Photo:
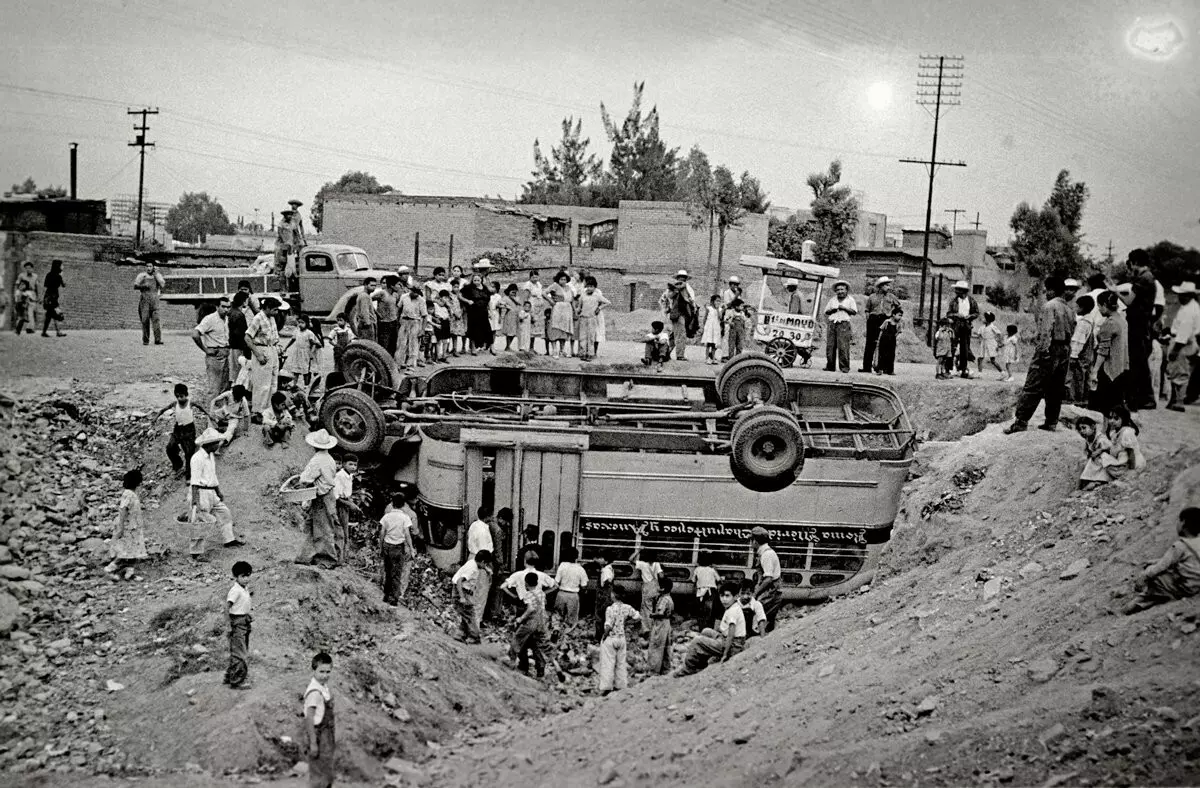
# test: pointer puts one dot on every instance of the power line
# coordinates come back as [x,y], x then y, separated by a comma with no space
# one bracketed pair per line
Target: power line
[140,143]
[954,221]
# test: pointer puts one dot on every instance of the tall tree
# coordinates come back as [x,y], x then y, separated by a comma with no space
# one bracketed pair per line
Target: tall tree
[29,187]
[835,215]
[1047,241]
[197,216]
[694,186]
[785,239]
[355,182]
[1171,263]
[732,201]
[566,177]
[641,166]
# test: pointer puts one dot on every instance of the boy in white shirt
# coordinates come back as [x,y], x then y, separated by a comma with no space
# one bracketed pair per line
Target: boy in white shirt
[604,593]
[728,641]
[571,578]
[343,494]
[514,585]
[321,724]
[756,614]
[395,540]
[467,580]
[707,581]
[238,605]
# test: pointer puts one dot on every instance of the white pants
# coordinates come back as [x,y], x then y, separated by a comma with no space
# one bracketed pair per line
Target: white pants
[614,668]
[263,379]
[211,509]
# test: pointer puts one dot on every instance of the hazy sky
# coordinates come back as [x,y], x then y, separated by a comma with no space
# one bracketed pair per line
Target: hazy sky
[262,101]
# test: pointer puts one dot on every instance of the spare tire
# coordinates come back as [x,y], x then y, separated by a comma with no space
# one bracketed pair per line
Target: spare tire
[752,379]
[354,419]
[736,360]
[369,365]
[767,452]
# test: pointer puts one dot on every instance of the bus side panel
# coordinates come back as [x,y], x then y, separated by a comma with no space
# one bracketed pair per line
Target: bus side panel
[440,483]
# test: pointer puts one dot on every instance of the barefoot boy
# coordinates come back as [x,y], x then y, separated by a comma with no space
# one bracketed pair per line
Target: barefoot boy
[238,603]
[320,724]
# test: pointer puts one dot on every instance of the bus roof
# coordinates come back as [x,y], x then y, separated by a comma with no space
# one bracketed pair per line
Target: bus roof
[783,267]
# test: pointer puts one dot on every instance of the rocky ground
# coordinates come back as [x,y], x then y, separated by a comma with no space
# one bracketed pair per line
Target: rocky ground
[986,652]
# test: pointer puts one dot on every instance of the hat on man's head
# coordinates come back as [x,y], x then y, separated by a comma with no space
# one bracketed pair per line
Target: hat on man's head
[1071,284]
[483,264]
[210,435]
[791,283]
[321,439]
[758,532]
[735,280]
[1184,288]
[842,282]
[883,280]
[682,272]
[296,203]
[962,284]
[286,212]
[404,269]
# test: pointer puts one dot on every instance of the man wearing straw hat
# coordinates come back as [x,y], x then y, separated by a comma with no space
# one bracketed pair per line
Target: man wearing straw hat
[838,311]
[320,516]
[963,312]
[1181,357]
[299,239]
[208,505]
[880,304]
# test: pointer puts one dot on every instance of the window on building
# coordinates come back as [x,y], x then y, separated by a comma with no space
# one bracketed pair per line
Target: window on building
[550,232]
[976,289]
[602,235]
[872,234]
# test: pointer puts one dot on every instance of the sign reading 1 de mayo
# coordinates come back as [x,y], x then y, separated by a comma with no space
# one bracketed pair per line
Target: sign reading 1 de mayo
[599,527]
[796,328]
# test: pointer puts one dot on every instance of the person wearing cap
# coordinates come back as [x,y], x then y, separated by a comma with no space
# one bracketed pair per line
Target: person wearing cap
[1070,289]
[880,304]
[149,283]
[677,303]
[769,574]
[1046,378]
[285,241]
[732,291]
[262,338]
[963,312]
[320,514]
[1140,316]
[838,335]
[795,299]
[208,504]
[211,335]
[1182,356]
[299,238]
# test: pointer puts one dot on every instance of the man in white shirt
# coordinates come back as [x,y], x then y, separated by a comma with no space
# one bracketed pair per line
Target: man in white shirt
[769,590]
[208,505]
[395,537]
[468,580]
[571,578]
[479,534]
[707,581]
[211,335]
[728,640]
[838,335]
[514,585]
[1182,355]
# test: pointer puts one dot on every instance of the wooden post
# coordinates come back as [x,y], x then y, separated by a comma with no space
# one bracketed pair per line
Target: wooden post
[632,296]
[450,264]
[416,252]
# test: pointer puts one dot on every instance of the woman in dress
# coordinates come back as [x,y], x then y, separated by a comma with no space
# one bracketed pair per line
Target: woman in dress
[54,282]
[510,313]
[475,298]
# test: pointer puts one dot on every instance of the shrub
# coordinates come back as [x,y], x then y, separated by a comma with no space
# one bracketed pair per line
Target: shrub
[1003,297]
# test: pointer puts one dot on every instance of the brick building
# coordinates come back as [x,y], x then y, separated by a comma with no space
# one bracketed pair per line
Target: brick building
[631,249]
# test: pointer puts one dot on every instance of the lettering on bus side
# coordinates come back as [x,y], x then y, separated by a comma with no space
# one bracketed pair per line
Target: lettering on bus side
[601,527]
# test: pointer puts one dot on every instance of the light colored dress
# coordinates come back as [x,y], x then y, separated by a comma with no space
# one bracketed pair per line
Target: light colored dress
[562,321]
[494,319]
[590,313]
[129,539]
[300,353]
[524,330]
[712,326]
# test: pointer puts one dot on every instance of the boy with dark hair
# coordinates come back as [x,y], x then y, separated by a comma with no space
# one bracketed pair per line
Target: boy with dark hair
[571,579]
[238,604]
[467,580]
[726,641]
[1177,574]
[320,724]
[658,345]
[395,541]
[658,655]
[231,413]
[277,421]
[531,632]
[752,609]
[182,443]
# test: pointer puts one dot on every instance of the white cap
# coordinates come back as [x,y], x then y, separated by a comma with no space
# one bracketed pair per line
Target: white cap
[962,284]
[791,283]
[883,280]
[734,280]
[482,265]
[682,272]
[1071,284]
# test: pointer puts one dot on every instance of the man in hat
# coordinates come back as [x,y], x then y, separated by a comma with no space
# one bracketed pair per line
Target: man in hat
[838,335]
[880,304]
[298,220]
[207,502]
[769,588]
[1071,289]
[963,312]
[211,335]
[732,291]
[286,242]
[1140,317]
[677,303]
[1047,375]
[795,299]
[1182,355]
[150,284]
[262,338]
[320,514]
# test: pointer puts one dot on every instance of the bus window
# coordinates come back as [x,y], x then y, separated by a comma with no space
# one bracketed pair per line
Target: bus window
[728,553]
[565,540]
[548,550]
[843,558]
[440,525]
[615,550]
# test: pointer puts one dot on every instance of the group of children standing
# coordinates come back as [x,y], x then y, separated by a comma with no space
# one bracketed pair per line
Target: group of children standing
[1000,349]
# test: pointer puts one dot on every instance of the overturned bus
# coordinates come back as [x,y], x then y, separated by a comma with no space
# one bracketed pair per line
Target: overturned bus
[617,460]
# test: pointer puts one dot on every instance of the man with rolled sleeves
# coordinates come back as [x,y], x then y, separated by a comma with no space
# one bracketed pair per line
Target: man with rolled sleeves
[150,284]
[769,574]
[1047,375]
[879,308]
[211,335]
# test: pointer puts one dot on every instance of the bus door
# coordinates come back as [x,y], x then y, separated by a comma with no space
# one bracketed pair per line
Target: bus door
[535,475]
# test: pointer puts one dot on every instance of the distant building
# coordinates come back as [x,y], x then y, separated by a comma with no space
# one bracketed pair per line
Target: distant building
[27,213]
[632,249]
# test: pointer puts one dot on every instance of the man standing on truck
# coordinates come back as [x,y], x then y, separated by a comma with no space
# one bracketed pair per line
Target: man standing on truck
[286,242]
[150,284]
[301,241]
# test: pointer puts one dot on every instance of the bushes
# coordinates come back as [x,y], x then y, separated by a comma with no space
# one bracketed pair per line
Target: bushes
[1003,297]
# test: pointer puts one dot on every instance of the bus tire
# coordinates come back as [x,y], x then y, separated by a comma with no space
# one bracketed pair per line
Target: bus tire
[354,419]
[752,378]
[767,452]
[367,362]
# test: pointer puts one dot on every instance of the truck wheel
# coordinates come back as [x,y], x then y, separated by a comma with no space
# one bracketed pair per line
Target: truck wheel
[751,379]
[767,449]
[354,419]
[782,352]
[369,365]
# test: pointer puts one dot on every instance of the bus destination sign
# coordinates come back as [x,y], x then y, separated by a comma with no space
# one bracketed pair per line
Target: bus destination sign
[600,527]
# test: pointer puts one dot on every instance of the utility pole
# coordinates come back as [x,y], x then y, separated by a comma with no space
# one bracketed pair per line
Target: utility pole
[946,73]
[1108,259]
[954,225]
[140,142]
[976,222]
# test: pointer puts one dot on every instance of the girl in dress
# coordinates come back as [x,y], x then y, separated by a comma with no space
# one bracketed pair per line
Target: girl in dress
[711,338]
[442,307]
[990,339]
[510,311]
[591,303]
[1126,453]
[458,321]
[129,540]
[562,324]
[525,327]
[300,352]
[495,317]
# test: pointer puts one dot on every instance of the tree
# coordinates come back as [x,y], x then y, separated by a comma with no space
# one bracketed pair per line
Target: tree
[694,186]
[567,177]
[29,187]
[785,239]
[1047,241]
[1171,263]
[197,216]
[835,215]
[1003,297]
[641,166]
[732,201]
[355,182]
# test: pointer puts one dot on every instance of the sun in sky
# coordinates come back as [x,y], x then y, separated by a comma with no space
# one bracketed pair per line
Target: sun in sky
[879,95]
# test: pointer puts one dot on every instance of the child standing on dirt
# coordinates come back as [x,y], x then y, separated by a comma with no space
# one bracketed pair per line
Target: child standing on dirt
[182,443]
[395,542]
[343,494]
[341,336]
[22,309]
[300,352]
[990,339]
[613,671]
[531,633]
[1177,574]
[711,336]
[465,581]
[128,540]
[735,326]
[320,726]
[1009,353]
[277,422]
[943,348]
[658,655]
[525,327]
[238,603]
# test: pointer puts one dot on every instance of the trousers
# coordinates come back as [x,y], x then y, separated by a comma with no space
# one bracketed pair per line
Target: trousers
[679,336]
[614,666]
[874,323]
[239,650]
[216,370]
[388,331]
[837,346]
[215,509]
[1046,379]
[396,568]
[408,352]
[148,315]
[707,645]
